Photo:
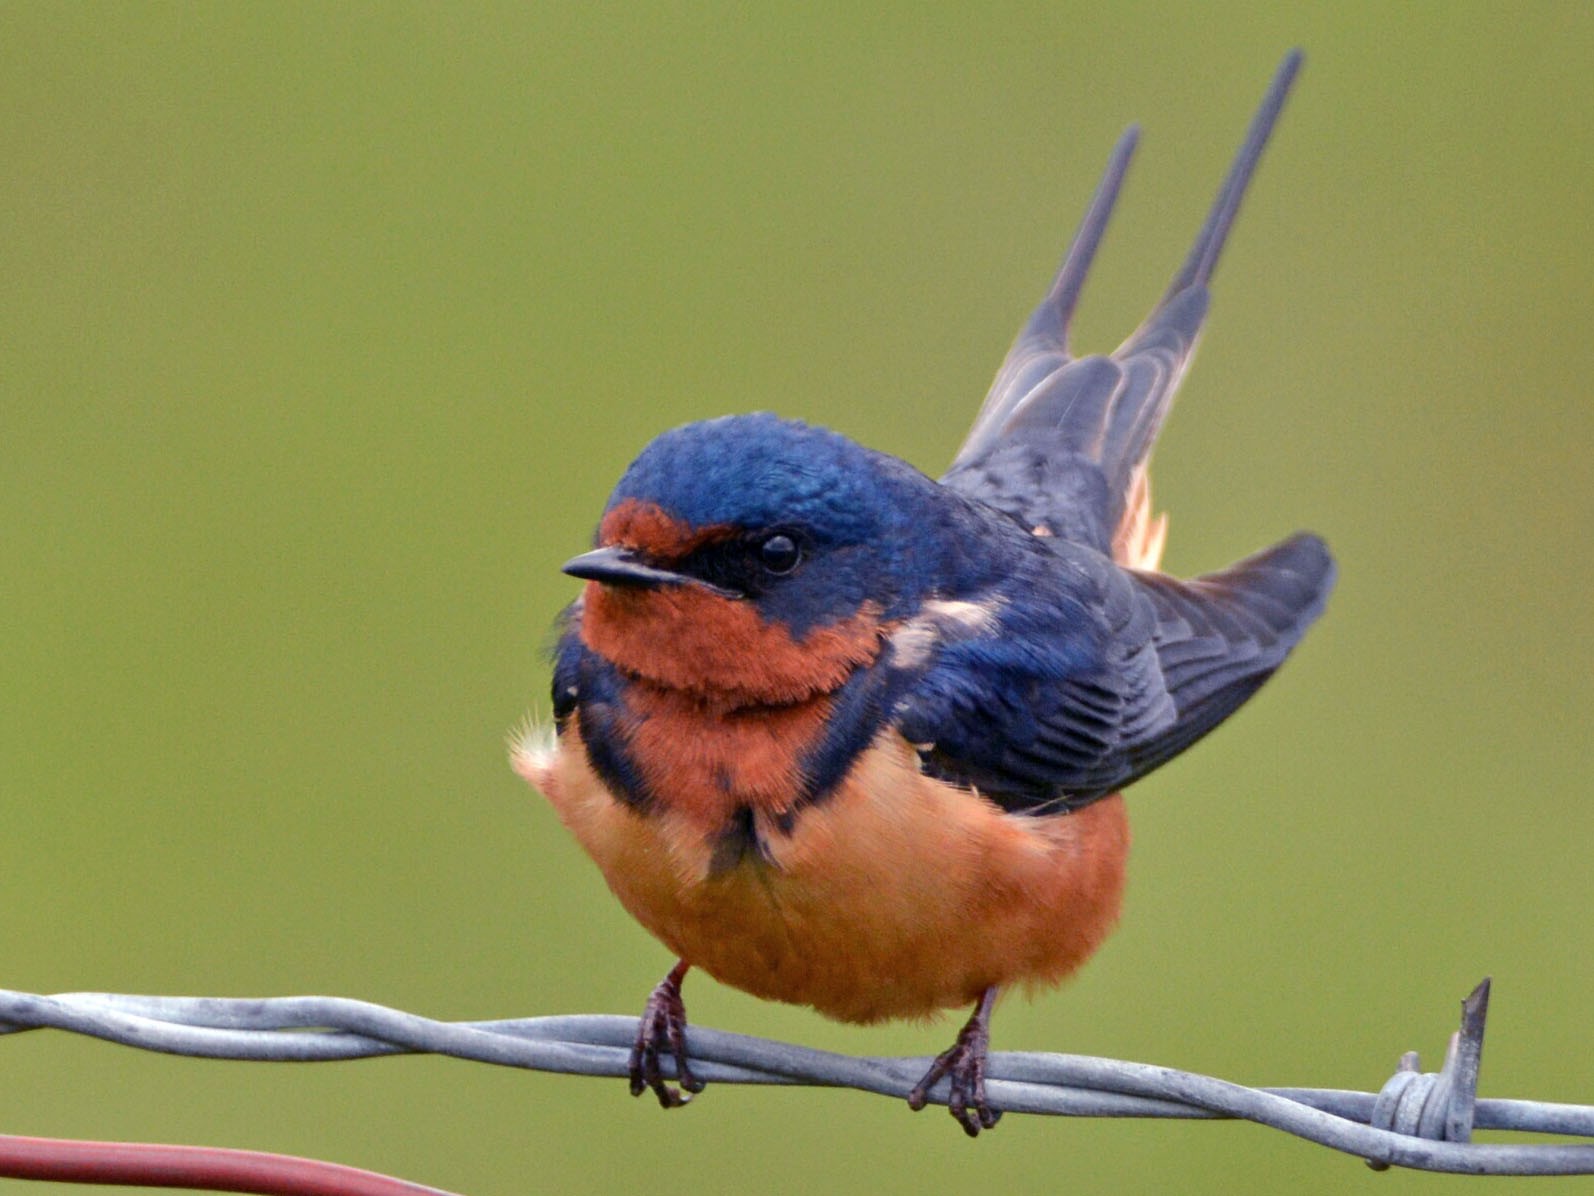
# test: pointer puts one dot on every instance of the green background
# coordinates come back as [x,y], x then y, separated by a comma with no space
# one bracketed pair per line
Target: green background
[327,329]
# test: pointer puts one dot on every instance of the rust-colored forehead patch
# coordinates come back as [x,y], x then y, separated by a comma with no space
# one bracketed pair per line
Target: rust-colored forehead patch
[655,533]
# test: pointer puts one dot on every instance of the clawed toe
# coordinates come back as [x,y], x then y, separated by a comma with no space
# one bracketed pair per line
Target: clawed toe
[662,1031]
[963,1066]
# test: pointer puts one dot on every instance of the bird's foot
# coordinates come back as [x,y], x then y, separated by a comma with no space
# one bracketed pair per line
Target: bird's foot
[963,1065]
[663,1031]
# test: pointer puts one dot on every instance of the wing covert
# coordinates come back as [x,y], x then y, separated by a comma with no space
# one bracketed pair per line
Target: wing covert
[1048,720]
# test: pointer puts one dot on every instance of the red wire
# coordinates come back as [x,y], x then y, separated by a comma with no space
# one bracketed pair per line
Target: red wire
[212,1168]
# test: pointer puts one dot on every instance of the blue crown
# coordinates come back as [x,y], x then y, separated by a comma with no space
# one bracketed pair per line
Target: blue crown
[757,471]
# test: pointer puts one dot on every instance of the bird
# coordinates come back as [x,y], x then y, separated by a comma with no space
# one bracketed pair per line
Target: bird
[843,735]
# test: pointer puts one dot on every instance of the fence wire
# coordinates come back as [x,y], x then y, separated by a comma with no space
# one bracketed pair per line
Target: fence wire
[1422,1121]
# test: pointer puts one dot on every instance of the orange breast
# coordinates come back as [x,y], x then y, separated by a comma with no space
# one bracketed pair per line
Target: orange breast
[711,763]
[896,896]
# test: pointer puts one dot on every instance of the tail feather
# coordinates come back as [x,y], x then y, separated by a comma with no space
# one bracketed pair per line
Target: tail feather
[1209,241]
[1041,348]
[1050,418]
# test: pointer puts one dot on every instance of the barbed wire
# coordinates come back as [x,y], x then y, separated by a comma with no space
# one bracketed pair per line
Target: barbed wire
[1422,1121]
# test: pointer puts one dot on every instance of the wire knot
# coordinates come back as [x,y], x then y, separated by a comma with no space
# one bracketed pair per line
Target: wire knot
[1438,1106]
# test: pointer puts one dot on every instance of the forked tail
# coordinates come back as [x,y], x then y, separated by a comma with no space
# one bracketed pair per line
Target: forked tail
[1062,443]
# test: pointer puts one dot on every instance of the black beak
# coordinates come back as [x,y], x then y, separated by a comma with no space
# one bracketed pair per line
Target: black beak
[623,567]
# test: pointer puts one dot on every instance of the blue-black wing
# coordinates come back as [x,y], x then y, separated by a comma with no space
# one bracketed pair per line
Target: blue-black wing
[1050,704]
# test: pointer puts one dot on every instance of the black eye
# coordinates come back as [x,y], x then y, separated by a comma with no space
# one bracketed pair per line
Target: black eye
[779,553]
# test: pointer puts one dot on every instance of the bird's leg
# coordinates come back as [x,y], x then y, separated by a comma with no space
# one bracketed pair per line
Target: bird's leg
[963,1065]
[663,1029]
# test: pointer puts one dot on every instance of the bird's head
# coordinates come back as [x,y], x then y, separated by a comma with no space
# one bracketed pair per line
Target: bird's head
[752,559]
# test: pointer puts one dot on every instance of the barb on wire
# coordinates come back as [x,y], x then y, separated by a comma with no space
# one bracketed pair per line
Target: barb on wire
[1417,1121]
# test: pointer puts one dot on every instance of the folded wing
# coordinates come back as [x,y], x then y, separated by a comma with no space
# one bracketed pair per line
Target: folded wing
[1043,723]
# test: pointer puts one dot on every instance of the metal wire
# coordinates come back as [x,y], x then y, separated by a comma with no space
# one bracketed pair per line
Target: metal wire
[1417,1121]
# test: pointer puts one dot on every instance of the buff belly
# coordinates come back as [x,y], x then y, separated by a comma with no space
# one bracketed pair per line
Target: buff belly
[895,896]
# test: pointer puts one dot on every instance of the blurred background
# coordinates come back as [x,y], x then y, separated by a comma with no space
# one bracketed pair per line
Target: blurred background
[327,330]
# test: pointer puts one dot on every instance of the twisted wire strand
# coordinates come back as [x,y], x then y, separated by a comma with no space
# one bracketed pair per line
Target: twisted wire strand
[312,1029]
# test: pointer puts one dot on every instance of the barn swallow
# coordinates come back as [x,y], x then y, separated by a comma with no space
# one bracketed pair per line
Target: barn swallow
[845,736]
